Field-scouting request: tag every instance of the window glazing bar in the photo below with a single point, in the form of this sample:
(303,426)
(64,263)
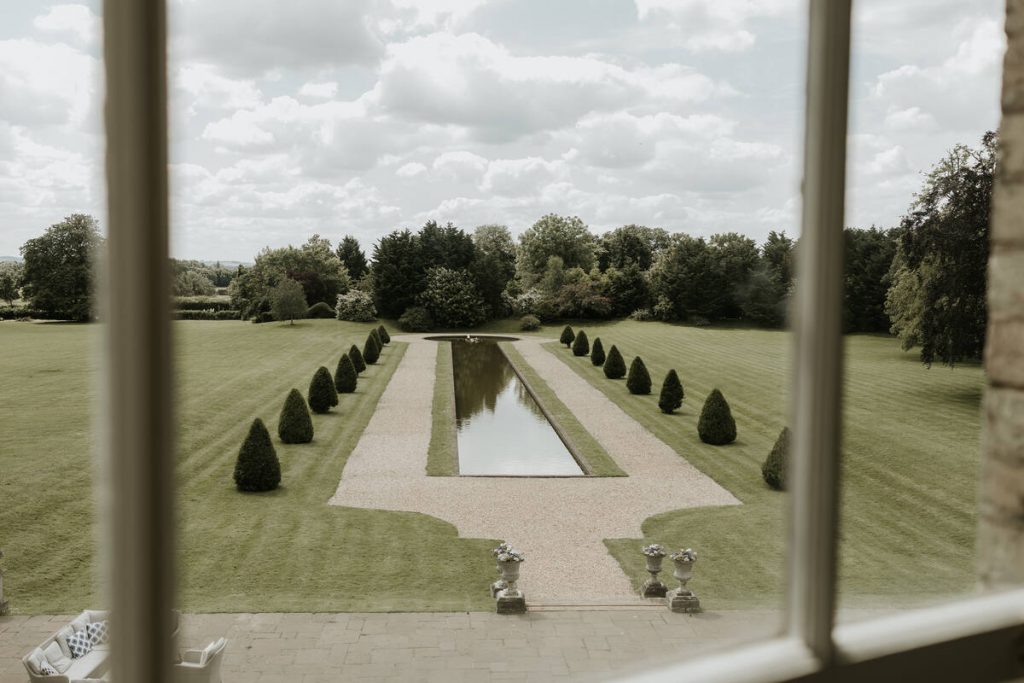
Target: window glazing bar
(138,468)
(817,324)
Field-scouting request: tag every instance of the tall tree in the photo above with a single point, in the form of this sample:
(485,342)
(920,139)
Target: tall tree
(636,244)
(396,273)
(735,258)
(287,301)
(58,276)
(445,247)
(11,274)
(451,299)
(494,264)
(352,257)
(565,237)
(943,254)
(867,259)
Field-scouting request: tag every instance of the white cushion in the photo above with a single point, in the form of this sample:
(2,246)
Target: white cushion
(62,639)
(80,622)
(85,667)
(210,650)
(35,659)
(46,669)
(79,644)
(55,656)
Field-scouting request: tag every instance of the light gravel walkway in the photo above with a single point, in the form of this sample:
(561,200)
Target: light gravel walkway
(559,523)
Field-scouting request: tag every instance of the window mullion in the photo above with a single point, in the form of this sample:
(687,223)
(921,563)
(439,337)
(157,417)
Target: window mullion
(817,380)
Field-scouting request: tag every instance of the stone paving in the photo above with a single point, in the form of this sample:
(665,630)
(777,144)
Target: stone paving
(560,523)
(537,646)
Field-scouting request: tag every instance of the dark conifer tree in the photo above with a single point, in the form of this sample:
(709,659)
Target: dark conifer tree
(257,467)
(345,376)
(322,394)
(639,380)
(776,464)
(614,366)
(567,337)
(716,425)
(597,353)
(581,345)
(384,336)
(295,424)
(671,393)
(357,359)
(371,352)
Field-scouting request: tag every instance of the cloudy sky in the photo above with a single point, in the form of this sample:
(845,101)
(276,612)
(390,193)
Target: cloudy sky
(362,116)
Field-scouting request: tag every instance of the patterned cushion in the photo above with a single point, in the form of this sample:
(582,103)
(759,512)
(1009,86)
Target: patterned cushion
(79,644)
(46,670)
(97,632)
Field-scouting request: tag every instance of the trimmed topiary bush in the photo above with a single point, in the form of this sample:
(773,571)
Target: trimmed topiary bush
(597,352)
(529,323)
(322,394)
(345,376)
(377,340)
(671,393)
(357,359)
(295,424)
(383,333)
(371,352)
(320,310)
(416,319)
(581,345)
(567,337)
(614,366)
(257,467)
(639,380)
(776,465)
(716,425)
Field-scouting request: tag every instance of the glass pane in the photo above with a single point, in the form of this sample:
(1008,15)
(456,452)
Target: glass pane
(911,441)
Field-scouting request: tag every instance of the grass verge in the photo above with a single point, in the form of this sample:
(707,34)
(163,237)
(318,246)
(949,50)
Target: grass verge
(596,459)
(443,455)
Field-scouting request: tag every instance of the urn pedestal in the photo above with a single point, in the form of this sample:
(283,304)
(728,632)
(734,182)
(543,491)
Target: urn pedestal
(510,600)
(653,587)
(682,599)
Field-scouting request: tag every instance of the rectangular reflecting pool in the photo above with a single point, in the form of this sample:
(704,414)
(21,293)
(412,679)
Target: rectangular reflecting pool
(500,428)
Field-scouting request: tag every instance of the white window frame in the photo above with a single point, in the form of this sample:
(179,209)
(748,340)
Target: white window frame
(979,639)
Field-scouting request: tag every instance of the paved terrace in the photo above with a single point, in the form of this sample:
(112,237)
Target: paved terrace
(560,523)
(475,646)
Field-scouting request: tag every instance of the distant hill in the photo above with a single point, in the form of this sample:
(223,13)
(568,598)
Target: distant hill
(16,259)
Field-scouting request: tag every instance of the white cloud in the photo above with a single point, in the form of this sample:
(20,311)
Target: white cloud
(702,25)
(74,21)
(324,91)
(513,177)
(460,165)
(411,170)
(207,88)
(46,83)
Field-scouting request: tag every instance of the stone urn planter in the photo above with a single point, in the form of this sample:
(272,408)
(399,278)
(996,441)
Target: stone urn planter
(682,599)
(510,600)
(653,587)
(500,584)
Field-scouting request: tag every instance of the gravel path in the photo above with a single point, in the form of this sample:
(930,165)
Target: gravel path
(559,523)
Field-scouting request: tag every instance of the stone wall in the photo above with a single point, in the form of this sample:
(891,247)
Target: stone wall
(1001,530)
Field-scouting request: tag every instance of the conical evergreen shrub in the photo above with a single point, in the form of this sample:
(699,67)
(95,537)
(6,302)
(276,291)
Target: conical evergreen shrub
(776,465)
(257,467)
(371,352)
(671,393)
(639,380)
(567,337)
(384,336)
(614,366)
(345,376)
(581,345)
(716,425)
(377,340)
(357,359)
(597,353)
(295,424)
(322,394)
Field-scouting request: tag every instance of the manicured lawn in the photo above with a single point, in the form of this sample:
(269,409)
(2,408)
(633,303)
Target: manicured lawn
(909,471)
(442,456)
(282,551)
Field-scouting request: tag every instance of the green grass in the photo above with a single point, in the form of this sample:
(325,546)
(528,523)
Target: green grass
(282,551)
(596,459)
(442,456)
(909,475)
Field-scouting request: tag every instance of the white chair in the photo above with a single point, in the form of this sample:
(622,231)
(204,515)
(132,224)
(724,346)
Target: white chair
(201,666)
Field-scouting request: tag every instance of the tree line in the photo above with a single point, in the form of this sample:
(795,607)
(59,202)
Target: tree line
(923,280)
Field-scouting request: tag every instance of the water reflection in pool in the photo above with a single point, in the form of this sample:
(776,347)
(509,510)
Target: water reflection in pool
(501,429)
